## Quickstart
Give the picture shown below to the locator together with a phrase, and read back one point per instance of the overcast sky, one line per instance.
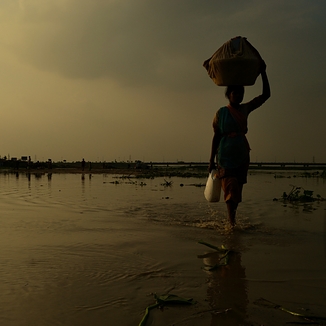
(123, 79)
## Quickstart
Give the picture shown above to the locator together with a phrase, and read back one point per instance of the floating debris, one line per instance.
(221, 248)
(193, 184)
(162, 300)
(115, 182)
(308, 318)
(223, 259)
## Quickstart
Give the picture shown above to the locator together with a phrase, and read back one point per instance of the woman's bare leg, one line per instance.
(232, 210)
(233, 195)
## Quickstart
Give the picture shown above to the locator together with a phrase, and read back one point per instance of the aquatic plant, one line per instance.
(300, 195)
(167, 183)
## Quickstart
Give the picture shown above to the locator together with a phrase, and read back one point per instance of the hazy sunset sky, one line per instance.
(123, 79)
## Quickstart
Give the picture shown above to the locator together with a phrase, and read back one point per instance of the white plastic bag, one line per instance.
(212, 190)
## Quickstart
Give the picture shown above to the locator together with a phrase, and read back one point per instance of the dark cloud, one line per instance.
(152, 42)
(134, 42)
(105, 56)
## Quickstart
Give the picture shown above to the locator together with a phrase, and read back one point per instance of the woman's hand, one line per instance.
(211, 167)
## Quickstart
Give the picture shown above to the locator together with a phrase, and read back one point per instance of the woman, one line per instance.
(230, 144)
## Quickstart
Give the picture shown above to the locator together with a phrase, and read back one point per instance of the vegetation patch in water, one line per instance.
(299, 196)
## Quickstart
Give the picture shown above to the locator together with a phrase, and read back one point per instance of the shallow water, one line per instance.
(92, 250)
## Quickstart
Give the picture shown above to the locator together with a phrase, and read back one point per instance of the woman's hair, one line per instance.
(231, 88)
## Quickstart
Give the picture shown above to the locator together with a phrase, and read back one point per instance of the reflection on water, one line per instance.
(227, 286)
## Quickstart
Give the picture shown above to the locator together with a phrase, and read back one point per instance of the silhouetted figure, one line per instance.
(83, 163)
(230, 147)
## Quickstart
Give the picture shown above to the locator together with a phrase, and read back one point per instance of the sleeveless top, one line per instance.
(233, 150)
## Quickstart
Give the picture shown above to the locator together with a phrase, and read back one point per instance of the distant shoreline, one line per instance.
(74, 171)
(157, 171)
(139, 167)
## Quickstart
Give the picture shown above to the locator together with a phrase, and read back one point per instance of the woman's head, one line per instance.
(234, 93)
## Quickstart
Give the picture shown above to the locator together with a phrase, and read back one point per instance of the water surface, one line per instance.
(81, 250)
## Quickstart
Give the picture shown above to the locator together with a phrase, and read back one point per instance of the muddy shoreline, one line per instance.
(131, 172)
